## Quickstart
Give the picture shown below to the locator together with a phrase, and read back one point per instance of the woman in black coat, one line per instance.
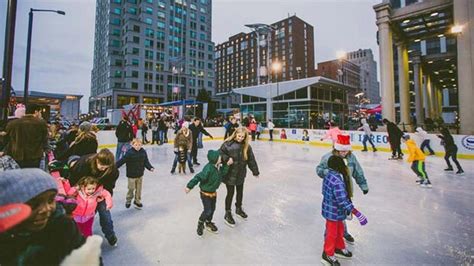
(236, 149)
(451, 150)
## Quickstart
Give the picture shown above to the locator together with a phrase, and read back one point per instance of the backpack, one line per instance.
(7, 163)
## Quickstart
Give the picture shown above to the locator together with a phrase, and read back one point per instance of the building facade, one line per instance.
(345, 72)
(151, 51)
(427, 61)
(245, 61)
(368, 73)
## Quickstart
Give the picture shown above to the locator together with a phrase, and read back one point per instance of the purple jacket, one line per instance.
(336, 204)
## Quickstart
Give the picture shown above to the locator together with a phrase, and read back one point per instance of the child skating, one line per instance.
(182, 158)
(136, 160)
(88, 193)
(209, 180)
(417, 159)
(336, 206)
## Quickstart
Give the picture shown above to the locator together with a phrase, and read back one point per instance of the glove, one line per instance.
(362, 219)
(365, 191)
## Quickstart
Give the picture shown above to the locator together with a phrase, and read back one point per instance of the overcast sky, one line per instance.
(63, 46)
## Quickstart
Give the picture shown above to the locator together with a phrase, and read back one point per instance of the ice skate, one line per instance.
(240, 213)
(200, 228)
(460, 172)
(211, 227)
(343, 253)
(229, 220)
(138, 205)
(426, 184)
(329, 260)
(349, 239)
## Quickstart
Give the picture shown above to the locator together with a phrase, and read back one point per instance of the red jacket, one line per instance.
(253, 126)
(86, 205)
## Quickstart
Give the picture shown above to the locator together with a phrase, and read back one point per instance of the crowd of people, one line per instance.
(54, 181)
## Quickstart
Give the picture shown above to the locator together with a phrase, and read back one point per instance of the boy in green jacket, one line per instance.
(209, 180)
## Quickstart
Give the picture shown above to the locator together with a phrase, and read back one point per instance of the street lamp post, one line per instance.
(28, 48)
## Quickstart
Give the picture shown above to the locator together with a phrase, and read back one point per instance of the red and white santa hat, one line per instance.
(343, 143)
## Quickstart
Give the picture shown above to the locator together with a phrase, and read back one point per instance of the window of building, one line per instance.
(148, 43)
(203, 36)
(159, 88)
(161, 15)
(193, 7)
(134, 86)
(149, 32)
(132, 10)
(148, 88)
(125, 100)
(136, 39)
(135, 62)
(149, 21)
(161, 4)
(117, 11)
(118, 74)
(149, 10)
(230, 50)
(115, 43)
(134, 74)
(115, 21)
(192, 15)
(135, 51)
(203, 19)
(160, 25)
(203, 10)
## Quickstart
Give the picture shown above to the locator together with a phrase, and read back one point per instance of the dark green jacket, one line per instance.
(209, 178)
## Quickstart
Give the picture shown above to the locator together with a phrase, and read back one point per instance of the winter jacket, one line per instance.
(182, 156)
(355, 170)
(415, 153)
(124, 132)
(394, 133)
(332, 134)
(423, 135)
(136, 162)
(26, 138)
(86, 205)
(83, 168)
(336, 204)
(238, 170)
(270, 125)
(88, 145)
(46, 247)
(448, 142)
(365, 126)
(252, 126)
(195, 130)
(210, 177)
(183, 140)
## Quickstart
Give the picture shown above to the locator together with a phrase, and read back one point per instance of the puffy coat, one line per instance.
(332, 134)
(86, 205)
(124, 132)
(210, 177)
(26, 138)
(136, 162)
(183, 140)
(354, 167)
(238, 170)
(336, 204)
(414, 153)
(88, 145)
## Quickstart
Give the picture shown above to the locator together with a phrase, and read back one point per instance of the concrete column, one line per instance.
(464, 15)
(403, 84)
(417, 79)
(434, 98)
(269, 108)
(386, 60)
(440, 102)
(429, 97)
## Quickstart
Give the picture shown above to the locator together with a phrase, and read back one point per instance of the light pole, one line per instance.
(276, 67)
(28, 49)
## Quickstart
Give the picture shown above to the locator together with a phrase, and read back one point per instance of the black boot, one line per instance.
(200, 228)
(229, 220)
(211, 227)
(241, 213)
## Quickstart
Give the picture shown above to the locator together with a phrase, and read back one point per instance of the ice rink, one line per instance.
(407, 224)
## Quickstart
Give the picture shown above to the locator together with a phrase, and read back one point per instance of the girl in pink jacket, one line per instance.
(88, 193)
(332, 133)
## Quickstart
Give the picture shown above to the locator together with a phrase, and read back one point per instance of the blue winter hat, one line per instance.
(21, 185)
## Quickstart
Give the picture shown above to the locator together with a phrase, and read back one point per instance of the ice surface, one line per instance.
(407, 224)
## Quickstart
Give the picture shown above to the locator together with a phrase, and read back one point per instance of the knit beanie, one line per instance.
(85, 126)
(21, 185)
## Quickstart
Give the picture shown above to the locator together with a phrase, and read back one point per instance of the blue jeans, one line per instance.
(364, 142)
(209, 204)
(175, 162)
(119, 153)
(106, 222)
(426, 143)
(161, 138)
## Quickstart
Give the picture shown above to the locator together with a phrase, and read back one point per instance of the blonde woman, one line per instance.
(237, 153)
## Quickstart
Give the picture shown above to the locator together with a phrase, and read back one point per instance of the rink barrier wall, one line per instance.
(465, 143)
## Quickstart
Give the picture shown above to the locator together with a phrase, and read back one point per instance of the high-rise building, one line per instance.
(347, 73)
(427, 61)
(368, 73)
(289, 42)
(151, 51)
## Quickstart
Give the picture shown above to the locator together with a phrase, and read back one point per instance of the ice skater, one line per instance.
(237, 149)
(417, 159)
(336, 206)
(88, 193)
(183, 139)
(136, 161)
(451, 150)
(332, 133)
(342, 148)
(423, 135)
(367, 135)
(394, 138)
(209, 180)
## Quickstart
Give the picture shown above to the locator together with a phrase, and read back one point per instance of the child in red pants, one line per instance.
(336, 207)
